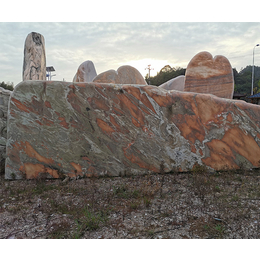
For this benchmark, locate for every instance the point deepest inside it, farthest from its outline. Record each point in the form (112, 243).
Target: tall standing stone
(34, 63)
(208, 75)
(86, 72)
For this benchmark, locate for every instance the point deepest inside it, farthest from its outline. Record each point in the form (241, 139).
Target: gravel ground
(174, 206)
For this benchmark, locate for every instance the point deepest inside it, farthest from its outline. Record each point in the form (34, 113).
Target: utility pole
(149, 69)
(253, 67)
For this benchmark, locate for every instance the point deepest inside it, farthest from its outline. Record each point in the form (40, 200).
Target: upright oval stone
(86, 72)
(174, 84)
(124, 75)
(205, 74)
(34, 63)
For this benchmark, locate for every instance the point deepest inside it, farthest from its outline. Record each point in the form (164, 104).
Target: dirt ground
(175, 206)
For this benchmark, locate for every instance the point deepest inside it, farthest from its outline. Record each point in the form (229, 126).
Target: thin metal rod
(253, 68)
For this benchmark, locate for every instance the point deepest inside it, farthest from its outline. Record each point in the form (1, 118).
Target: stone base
(60, 129)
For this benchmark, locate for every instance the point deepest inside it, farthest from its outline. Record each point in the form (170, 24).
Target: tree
(165, 74)
(243, 80)
(166, 68)
(8, 85)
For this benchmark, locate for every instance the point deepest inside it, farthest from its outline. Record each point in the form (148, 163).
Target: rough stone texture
(86, 72)
(207, 75)
(34, 63)
(59, 128)
(4, 99)
(124, 75)
(174, 84)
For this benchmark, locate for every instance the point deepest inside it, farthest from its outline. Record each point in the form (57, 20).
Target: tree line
(8, 85)
(242, 79)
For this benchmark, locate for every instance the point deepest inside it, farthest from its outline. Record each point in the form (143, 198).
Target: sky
(111, 44)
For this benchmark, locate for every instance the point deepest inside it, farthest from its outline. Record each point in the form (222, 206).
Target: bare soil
(175, 206)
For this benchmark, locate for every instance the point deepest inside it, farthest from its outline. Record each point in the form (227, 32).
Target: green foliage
(90, 221)
(165, 74)
(243, 80)
(8, 85)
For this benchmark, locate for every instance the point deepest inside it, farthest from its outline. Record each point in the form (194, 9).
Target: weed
(217, 188)
(78, 232)
(89, 222)
(59, 229)
(206, 227)
(220, 205)
(92, 220)
(136, 194)
(197, 168)
(121, 191)
(150, 233)
(134, 205)
(162, 167)
(147, 202)
(220, 229)
(235, 198)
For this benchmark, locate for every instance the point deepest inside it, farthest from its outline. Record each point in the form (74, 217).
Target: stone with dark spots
(205, 74)
(34, 63)
(60, 128)
(86, 72)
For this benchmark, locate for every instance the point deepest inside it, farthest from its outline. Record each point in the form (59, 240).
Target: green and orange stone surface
(62, 128)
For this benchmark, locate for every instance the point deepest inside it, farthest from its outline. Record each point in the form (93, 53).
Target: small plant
(220, 229)
(235, 198)
(121, 191)
(136, 194)
(59, 229)
(93, 220)
(134, 205)
(206, 227)
(150, 233)
(217, 188)
(13, 177)
(197, 168)
(147, 202)
(162, 167)
(78, 232)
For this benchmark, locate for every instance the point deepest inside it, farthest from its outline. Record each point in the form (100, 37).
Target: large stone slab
(34, 63)
(60, 128)
(205, 74)
(124, 75)
(174, 84)
(86, 72)
(4, 99)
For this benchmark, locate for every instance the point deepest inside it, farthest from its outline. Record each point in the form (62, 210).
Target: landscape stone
(124, 75)
(207, 75)
(86, 72)
(4, 99)
(174, 84)
(34, 63)
(60, 129)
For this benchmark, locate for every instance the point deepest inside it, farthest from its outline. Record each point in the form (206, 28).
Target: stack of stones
(4, 99)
